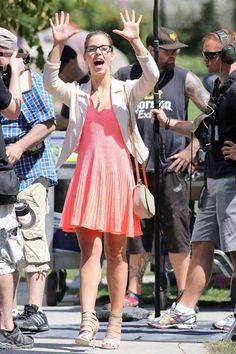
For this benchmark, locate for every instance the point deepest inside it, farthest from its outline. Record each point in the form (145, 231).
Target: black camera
(4, 70)
(21, 54)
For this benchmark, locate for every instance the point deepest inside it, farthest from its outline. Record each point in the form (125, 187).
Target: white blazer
(77, 98)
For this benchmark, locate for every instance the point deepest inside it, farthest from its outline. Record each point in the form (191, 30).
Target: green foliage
(28, 17)
(193, 32)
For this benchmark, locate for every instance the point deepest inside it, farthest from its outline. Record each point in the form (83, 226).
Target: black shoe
(15, 340)
(32, 320)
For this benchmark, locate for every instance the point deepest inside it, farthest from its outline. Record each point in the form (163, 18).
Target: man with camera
(10, 245)
(215, 224)
(29, 150)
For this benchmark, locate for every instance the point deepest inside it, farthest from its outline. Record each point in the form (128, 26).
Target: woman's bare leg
(90, 266)
(117, 270)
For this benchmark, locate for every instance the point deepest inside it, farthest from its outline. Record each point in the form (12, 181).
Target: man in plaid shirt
(28, 149)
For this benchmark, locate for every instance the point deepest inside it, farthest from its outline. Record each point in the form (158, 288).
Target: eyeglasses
(104, 48)
(210, 55)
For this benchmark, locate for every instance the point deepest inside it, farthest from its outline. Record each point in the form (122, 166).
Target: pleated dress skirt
(100, 193)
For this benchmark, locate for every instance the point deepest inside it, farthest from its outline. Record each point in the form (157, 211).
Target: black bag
(9, 186)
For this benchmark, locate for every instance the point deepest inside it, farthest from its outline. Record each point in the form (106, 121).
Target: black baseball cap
(67, 54)
(168, 39)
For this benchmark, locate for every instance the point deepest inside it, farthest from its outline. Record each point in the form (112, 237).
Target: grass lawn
(211, 296)
(221, 347)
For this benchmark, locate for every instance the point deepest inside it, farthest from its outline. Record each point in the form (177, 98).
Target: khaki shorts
(11, 247)
(36, 252)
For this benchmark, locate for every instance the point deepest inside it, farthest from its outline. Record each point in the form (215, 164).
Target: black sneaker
(32, 320)
(15, 340)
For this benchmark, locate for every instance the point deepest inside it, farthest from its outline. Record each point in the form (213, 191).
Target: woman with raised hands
(99, 199)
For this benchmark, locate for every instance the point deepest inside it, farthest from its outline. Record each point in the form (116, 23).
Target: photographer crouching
(215, 225)
(28, 149)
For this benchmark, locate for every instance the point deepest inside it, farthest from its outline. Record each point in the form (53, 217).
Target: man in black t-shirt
(10, 246)
(176, 86)
(215, 225)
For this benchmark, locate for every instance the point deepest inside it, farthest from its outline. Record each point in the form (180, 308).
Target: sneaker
(224, 324)
(32, 320)
(15, 340)
(174, 319)
(130, 300)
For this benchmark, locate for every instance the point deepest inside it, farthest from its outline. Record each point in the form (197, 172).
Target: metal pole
(157, 238)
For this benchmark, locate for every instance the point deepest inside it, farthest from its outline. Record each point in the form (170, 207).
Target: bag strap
(139, 180)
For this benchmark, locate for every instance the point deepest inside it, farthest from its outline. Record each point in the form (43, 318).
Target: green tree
(28, 17)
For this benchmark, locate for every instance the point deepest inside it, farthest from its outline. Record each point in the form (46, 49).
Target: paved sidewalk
(64, 320)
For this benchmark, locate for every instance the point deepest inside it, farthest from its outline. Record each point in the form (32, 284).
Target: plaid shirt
(36, 108)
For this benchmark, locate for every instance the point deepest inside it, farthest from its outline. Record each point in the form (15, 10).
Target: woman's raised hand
(131, 26)
(61, 29)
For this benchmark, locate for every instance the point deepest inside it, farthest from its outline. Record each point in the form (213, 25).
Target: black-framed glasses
(210, 55)
(104, 48)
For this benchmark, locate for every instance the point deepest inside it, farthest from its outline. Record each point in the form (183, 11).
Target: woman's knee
(115, 255)
(90, 245)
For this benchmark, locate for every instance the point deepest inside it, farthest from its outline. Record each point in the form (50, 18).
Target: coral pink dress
(100, 193)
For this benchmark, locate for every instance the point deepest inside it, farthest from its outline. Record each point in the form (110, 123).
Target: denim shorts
(216, 218)
(11, 248)
(36, 252)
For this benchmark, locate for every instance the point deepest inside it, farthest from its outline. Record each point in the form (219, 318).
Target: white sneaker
(225, 324)
(175, 319)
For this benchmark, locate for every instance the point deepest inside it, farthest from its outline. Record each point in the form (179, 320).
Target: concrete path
(64, 321)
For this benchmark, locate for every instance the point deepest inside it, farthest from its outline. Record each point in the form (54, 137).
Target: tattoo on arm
(195, 90)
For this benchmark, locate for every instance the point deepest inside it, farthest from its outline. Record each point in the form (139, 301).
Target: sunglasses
(210, 55)
(103, 48)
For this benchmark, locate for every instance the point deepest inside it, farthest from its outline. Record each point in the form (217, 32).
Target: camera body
(5, 71)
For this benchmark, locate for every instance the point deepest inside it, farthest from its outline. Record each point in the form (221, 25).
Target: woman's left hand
(131, 26)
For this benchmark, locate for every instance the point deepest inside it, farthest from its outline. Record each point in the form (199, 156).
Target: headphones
(228, 52)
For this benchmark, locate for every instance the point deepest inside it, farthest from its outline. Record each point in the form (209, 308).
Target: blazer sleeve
(138, 89)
